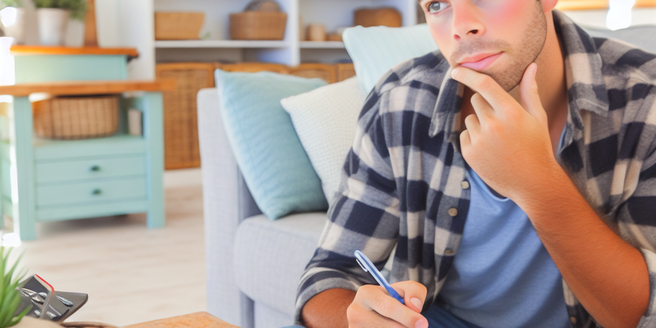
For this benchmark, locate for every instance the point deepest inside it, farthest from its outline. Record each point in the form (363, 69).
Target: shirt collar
(586, 88)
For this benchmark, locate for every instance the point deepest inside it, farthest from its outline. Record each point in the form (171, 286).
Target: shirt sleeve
(365, 215)
(636, 214)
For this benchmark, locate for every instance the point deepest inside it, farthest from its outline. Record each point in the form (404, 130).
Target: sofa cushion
(275, 166)
(375, 50)
(270, 257)
(325, 120)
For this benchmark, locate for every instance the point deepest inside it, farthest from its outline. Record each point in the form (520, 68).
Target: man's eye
(436, 7)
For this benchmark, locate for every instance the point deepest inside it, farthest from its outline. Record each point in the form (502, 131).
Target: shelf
(19, 50)
(220, 44)
(598, 4)
(322, 45)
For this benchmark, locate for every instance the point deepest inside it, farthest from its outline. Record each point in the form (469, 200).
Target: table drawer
(102, 167)
(91, 191)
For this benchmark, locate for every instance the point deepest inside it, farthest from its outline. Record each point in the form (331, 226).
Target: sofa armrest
(226, 202)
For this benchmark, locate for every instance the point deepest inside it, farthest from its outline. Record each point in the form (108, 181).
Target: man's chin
(506, 82)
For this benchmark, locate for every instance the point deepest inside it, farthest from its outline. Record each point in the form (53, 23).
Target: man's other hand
(374, 307)
(506, 143)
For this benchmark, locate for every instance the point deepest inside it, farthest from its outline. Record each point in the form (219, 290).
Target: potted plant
(10, 296)
(12, 19)
(53, 18)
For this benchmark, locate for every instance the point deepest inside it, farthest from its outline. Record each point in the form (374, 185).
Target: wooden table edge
(86, 87)
(192, 320)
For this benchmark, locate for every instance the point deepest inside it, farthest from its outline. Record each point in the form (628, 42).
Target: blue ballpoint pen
(367, 266)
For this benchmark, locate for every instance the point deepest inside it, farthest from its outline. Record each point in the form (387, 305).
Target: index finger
(377, 299)
(495, 95)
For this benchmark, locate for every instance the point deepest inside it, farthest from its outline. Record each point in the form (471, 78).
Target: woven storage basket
(254, 67)
(180, 116)
(377, 17)
(344, 71)
(263, 6)
(255, 25)
(178, 26)
(322, 71)
(76, 117)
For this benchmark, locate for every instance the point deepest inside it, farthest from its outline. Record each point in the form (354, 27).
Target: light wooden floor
(131, 274)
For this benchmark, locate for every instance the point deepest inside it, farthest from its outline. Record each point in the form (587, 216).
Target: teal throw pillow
(375, 50)
(273, 162)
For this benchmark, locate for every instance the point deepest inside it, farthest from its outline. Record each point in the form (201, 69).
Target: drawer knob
(95, 168)
(96, 192)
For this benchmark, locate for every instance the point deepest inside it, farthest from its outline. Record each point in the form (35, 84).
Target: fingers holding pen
(374, 307)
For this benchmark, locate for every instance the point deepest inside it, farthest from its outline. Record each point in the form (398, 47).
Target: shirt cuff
(324, 279)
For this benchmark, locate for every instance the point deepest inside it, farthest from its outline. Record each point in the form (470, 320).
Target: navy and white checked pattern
(402, 182)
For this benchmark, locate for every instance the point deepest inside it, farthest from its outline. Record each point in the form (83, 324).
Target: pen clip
(361, 265)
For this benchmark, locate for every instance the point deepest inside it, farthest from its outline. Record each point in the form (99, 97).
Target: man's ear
(548, 5)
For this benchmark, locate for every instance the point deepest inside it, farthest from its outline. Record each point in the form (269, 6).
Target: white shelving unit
(322, 45)
(138, 31)
(222, 44)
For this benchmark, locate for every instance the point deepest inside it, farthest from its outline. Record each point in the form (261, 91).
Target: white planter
(52, 25)
(13, 23)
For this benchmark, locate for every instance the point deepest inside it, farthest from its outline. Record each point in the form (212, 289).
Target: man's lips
(480, 62)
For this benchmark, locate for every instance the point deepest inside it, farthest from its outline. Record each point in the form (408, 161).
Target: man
(515, 173)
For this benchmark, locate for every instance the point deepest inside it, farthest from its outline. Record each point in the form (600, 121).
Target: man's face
(499, 38)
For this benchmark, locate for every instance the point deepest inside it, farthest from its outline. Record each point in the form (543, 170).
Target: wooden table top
(86, 87)
(194, 320)
(19, 50)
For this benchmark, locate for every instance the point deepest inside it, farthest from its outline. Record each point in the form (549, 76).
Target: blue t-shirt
(502, 276)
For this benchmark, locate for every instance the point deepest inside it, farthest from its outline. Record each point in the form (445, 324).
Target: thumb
(528, 90)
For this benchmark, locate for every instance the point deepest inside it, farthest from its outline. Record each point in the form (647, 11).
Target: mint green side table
(50, 180)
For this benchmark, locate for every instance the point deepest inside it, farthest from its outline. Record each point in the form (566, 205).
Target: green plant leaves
(78, 8)
(11, 3)
(10, 297)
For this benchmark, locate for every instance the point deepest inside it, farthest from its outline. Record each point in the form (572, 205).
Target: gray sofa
(253, 264)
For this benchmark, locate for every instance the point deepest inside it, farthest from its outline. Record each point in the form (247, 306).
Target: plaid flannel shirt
(404, 183)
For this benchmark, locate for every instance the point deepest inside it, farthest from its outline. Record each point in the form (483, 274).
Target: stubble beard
(519, 58)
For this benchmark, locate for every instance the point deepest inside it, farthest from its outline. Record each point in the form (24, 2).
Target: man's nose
(466, 22)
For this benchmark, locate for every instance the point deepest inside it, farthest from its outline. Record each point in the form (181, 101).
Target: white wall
(129, 23)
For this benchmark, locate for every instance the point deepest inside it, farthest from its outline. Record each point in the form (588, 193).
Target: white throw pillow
(325, 120)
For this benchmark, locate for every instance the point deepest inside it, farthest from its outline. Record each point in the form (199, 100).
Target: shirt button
(449, 252)
(464, 184)
(572, 319)
(453, 211)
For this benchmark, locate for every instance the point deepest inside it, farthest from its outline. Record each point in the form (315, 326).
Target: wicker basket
(344, 71)
(254, 67)
(263, 6)
(377, 17)
(255, 25)
(180, 116)
(178, 26)
(323, 71)
(76, 117)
